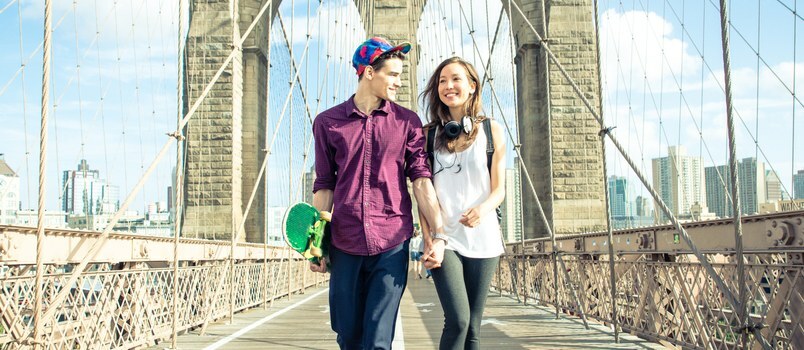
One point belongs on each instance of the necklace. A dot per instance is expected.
(456, 163)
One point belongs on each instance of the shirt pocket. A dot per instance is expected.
(390, 210)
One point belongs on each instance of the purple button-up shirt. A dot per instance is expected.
(364, 159)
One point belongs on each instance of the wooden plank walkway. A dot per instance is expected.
(507, 324)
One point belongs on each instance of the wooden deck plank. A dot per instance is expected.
(507, 324)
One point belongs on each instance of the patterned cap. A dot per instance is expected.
(372, 48)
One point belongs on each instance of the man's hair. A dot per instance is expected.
(379, 62)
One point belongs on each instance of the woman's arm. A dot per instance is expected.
(496, 196)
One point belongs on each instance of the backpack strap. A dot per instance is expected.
(430, 147)
(489, 155)
(489, 142)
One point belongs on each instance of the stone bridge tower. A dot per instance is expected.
(226, 136)
(559, 137)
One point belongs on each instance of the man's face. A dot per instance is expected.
(385, 81)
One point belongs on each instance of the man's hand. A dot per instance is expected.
(320, 267)
(433, 254)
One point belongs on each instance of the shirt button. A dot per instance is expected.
(367, 224)
(366, 204)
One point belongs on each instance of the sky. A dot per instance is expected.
(114, 82)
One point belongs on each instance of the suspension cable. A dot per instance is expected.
(606, 198)
(40, 225)
(727, 293)
(101, 240)
(735, 187)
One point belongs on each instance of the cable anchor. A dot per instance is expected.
(176, 135)
(605, 131)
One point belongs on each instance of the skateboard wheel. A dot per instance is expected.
(316, 252)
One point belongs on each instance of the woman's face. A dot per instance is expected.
(454, 85)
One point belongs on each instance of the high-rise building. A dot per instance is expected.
(798, 184)
(85, 193)
(9, 193)
(642, 205)
(773, 186)
(751, 177)
(679, 179)
(753, 187)
(307, 185)
(511, 207)
(274, 234)
(718, 190)
(620, 203)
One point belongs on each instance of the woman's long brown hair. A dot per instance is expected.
(438, 112)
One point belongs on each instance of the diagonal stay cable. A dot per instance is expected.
(539, 206)
(310, 138)
(727, 293)
(748, 130)
(715, 78)
(264, 165)
(7, 6)
(101, 240)
(263, 168)
(293, 62)
(683, 97)
(33, 54)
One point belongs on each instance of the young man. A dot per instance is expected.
(364, 149)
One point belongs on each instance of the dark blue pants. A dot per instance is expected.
(364, 296)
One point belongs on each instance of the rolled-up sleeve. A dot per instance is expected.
(415, 156)
(325, 167)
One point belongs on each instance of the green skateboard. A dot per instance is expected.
(306, 231)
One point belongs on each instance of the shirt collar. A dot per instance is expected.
(384, 108)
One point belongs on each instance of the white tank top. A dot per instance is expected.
(462, 182)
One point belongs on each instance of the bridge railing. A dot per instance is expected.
(124, 299)
(662, 292)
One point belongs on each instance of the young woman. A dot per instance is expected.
(469, 188)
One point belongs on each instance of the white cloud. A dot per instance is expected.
(641, 46)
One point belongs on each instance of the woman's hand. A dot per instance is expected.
(433, 254)
(471, 217)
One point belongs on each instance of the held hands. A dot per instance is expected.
(433, 254)
(471, 217)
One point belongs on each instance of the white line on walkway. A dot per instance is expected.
(399, 338)
(248, 328)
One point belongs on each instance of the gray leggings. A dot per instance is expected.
(463, 285)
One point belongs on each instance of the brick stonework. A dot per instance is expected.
(226, 135)
(397, 21)
(568, 133)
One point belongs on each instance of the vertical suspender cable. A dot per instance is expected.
(793, 128)
(610, 240)
(234, 15)
(265, 154)
(40, 226)
(24, 108)
(517, 144)
(759, 60)
(735, 188)
(178, 197)
(550, 152)
(290, 129)
(716, 278)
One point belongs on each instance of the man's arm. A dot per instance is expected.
(322, 200)
(432, 224)
(325, 170)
